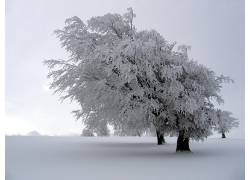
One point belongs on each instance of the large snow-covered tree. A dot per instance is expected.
(134, 79)
(110, 70)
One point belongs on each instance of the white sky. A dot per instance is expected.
(215, 30)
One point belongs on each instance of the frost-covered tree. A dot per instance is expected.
(196, 116)
(225, 122)
(113, 71)
(133, 80)
(102, 129)
(121, 132)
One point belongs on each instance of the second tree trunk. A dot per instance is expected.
(182, 142)
(223, 135)
(160, 138)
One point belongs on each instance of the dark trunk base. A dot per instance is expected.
(160, 138)
(223, 135)
(182, 143)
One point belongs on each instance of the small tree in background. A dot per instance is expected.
(87, 133)
(226, 122)
(102, 129)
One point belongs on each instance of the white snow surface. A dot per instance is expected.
(121, 158)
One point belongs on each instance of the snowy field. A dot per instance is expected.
(121, 158)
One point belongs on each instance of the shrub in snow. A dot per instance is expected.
(100, 128)
(33, 133)
(86, 132)
(103, 132)
(120, 132)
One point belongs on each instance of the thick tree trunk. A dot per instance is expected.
(182, 143)
(223, 135)
(160, 138)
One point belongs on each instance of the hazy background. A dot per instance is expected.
(214, 29)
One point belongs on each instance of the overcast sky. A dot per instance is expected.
(214, 29)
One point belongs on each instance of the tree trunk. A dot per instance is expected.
(182, 143)
(160, 138)
(223, 135)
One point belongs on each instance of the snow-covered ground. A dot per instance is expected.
(121, 158)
